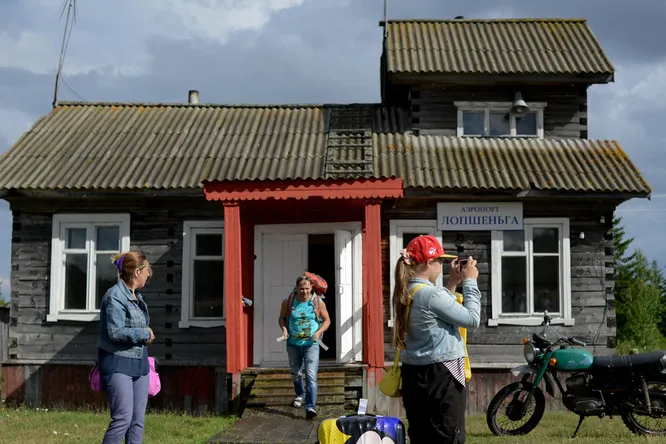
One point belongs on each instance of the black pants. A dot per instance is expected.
(435, 404)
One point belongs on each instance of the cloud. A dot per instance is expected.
(28, 50)
(113, 38)
(13, 123)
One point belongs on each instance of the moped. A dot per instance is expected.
(632, 387)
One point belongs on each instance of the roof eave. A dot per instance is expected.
(407, 77)
(503, 193)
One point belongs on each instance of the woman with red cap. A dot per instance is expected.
(432, 351)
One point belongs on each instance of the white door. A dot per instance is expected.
(345, 306)
(284, 258)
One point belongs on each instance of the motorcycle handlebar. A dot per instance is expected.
(577, 342)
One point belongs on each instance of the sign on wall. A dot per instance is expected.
(479, 216)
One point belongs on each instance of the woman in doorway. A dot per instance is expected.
(122, 349)
(303, 319)
(433, 366)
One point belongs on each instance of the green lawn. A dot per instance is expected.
(38, 426)
(557, 428)
(47, 426)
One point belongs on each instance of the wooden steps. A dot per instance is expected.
(338, 386)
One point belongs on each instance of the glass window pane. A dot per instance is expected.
(514, 240)
(514, 285)
(473, 123)
(76, 281)
(408, 237)
(500, 124)
(208, 244)
(208, 288)
(105, 278)
(547, 284)
(108, 239)
(545, 240)
(526, 125)
(76, 238)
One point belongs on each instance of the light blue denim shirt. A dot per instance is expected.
(435, 317)
(123, 326)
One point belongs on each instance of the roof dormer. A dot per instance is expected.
(490, 52)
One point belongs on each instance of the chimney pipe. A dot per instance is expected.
(193, 96)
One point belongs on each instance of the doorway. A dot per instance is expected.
(321, 261)
(333, 251)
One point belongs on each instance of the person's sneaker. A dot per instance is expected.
(310, 413)
(298, 402)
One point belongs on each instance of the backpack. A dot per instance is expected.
(315, 302)
(319, 284)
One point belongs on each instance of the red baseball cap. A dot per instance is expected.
(424, 248)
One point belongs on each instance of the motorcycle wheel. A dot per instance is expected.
(516, 410)
(638, 421)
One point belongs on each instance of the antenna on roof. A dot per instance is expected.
(385, 18)
(70, 5)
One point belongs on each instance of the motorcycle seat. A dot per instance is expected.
(640, 361)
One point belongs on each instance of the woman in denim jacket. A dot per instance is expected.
(432, 357)
(122, 349)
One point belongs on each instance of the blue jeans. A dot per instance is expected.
(298, 355)
(128, 398)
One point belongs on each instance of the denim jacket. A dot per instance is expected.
(435, 318)
(123, 327)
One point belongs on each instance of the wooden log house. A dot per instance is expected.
(481, 139)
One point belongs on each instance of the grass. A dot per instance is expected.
(37, 426)
(557, 428)
(27, 426)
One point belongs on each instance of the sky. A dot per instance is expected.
(307, 51)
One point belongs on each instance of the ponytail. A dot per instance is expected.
(401, 298)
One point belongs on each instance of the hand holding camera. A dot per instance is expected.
(468, 268)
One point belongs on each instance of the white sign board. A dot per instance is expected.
(479, 216)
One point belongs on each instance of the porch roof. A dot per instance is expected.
(132, 146)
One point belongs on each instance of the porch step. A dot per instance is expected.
(288, 391)
(339, 387)
(286, 400)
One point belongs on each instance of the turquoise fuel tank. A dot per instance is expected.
(572, 359)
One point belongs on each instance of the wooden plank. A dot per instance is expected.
(33, 386)
(4, 334)
(13, 384)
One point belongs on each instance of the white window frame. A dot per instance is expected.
(61, 222)
(488, 107)
(191, 229)
(397, 227)
(497, 251)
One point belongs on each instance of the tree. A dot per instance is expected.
(642, 307)
(3, 302)
(640, 295)
(623, 273)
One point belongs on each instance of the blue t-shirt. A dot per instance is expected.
(303, 322)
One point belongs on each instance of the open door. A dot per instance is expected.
(344, 306)
(284, 258)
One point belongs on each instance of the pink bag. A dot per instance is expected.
(155, 385)
(94, 378)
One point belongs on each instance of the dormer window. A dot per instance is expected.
(495, 119)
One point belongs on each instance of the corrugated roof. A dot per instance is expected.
(508, 163)
(495, 46)
(159, 146)
(162, 146)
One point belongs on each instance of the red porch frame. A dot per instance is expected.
(231, 194)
